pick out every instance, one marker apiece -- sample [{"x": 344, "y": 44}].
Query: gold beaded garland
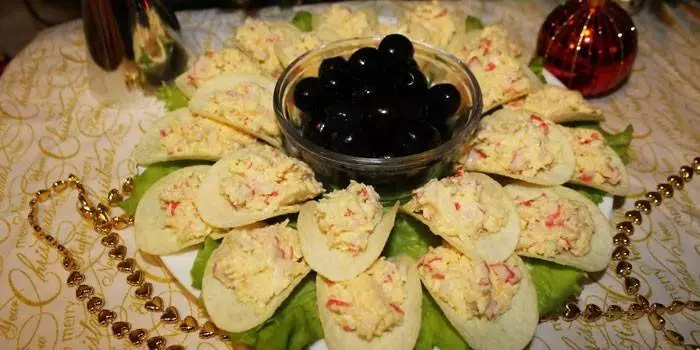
[
  {"x": 634, "y": 216},
  {"x": 625, "y": 227},
  {"x": 643, "y": 206},
  {"x": 686, "y": 173},
  {"x": 655, "y": 198},
  {"x": 620, "y": 253},
  {"x": 666, "y": 190},
  {"x": 631, "y": 285},
  {"x": 658, "y": 308},
  {"x": 642, "y": 300},
  {"x": 656, "y": 320},
  {"x": 635, "y": 311},
  {"x": 621, "y": 239},
  {"x": 623, "y": 269},
  {"x": 675, "y": 181},
  {"x": 614, "y": 313}
]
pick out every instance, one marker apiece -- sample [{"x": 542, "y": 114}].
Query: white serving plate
[{"x": 180, "y": 264}]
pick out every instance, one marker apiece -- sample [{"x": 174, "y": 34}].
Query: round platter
[{"x": 180, "y": 264}]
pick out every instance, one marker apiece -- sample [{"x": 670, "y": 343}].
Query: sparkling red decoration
[{"x": 590, "y": 45}]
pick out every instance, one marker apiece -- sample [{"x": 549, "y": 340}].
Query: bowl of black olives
[{"x": 383, "y": 111}]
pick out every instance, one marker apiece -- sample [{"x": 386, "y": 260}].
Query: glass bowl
[{"x": 393, "y": 178}]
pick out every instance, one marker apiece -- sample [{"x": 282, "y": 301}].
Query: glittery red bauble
[{"x": 590, "y": 45}]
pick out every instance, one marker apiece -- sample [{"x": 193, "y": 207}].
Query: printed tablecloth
[{"x": 50, "y": 126}]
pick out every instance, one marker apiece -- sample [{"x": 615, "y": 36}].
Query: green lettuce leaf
[
  {"x": 413, "y": 238},
  {"x": 200, "y": 262},
  {"x": 473, "y": 23},
  {"x": 172, "y": 96},
  {"x": 554, "y": 284},
  {"x": 619, "y": 142},
  {"x": 595, "y": 195},
  {"x": 436, "y": 330},
  {"x": 151, "y": 175},
  {"x": 302, "y": 20},
  {"x": 409, "y": 236},
  {"x": 294, "y": 326},
  {"x": 536, "y": 65}
]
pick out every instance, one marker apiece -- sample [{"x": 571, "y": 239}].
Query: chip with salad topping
[
  {"x": 490, "y": 305},
  {"x": 258, "y": 37},
  {"x": 344, "y": 232},
  {"x": 521, "y": 145},
  {"x": 561, "y": 225},
  {"x": 597, "y": 165},
  {"x": 432, "y": 23},
  {"x": 471, "y": 211},
  {"x": 492, "y": 59},
  {"x": 243, "y": 101},
  {"x": 178, "y": 135},
  {"x": 379, "y": 309},
  {"x": 557, "y": 104},
  {"x": 166, "y": 220},
  {"x": 342, "y": 22},
  {"x": 252, "y": 184},
  {"x": 251, "y": 274},
  {"x": 212, "y": 64}
]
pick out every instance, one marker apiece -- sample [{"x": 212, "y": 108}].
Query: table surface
[{"x": 51, "y": 126}]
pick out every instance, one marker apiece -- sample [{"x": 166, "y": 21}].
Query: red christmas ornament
[{"x": 590, "y": 45}]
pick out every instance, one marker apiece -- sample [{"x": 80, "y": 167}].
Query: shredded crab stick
[
  {"x": 471, "y": 211},
  {"x": 212, "y": 64},
  {"x": 597, "y": 165},
  {"x": 521, "y": 145},
  {"x": 557, "y": 104},
  {"x": 243, "y": 101},
  {"x": 379, "y": 309},
  {"x": 178, "y": 135},
  {"x": 255, "y": 183},
  {"x": 490, "y": 305},
  {"x": 344, "y": 232},
  {"x": 561, "y": 225},
  {"x": 251, "y": 274}
]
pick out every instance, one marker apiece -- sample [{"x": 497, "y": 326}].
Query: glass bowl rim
[{"x": 372, "y": 163}]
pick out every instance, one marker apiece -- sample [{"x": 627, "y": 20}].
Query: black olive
[
  {"x": 365, "y": 62},
  {"x": 366, "y": 92},
  {"x": 341, "y": 116},
  {"x": 415, "y": 137},
  {"x": 412, "y": 109},
  {"x": 382, "y": 114},
  {"x": 336, "y": 86},
  {"x": 317, "y": 130},
  {"x": 411, "y": 83},
  {"x": 336, "y": 64},
  {"x": 308, "y": 94},
  {"x": 354, "y": 142},
  {"x": 396, "y": 46},
  {"x": 443, "y": 101}
]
